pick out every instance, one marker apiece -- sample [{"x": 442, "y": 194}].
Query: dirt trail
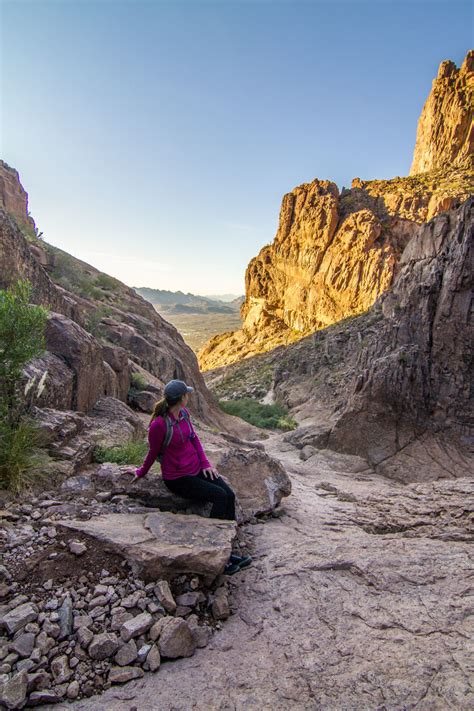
[{"x": 361, "y": 596}]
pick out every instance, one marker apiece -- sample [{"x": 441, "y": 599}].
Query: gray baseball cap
[{"x": 177, "y": 388}]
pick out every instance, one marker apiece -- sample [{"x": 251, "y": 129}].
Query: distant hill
[
  {"x": 223, "y": 297},
  {"x": 178, "y": 302}
]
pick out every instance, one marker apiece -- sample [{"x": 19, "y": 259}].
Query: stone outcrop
[
  {"x": 445, "y": 134},
  {"x": 162, "y": 543},
  {"x": 335, "y": 252},
  {"x": 13, "y": 197},
  {"x": 411, "y": 401}
]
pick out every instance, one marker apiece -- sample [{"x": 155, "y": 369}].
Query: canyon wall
[{"x": 335, "y": 251}]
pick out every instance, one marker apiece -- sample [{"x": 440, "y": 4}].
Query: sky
[{"x": 157, "y": 138}]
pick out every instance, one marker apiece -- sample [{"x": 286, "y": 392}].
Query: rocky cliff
[
  {"x": 445, "y": 134},
  {"x": 395, "y": 384},
  {"x": 97, "y": 327},
  {"x": 336, "y": 251}
]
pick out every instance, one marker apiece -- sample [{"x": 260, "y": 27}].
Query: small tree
[{"x": 22, "y": 337}]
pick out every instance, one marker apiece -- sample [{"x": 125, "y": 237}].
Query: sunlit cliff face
[{"x": 335, "y": 253}]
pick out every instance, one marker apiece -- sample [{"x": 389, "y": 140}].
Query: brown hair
[{"x": 162, "y": 407}]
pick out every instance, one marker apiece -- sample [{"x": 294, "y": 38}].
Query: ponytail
[{"x": 162, "y": 407}]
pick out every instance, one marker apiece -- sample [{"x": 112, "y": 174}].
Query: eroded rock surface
[{"x": 359, "y": 596}]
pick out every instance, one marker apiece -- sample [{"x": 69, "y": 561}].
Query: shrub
[
  {"x": 128, "y": 453},
  {"x": 138, "y": 381},
  {"x": 22, "y": 337},
  {"x": 266, "y": 416}
]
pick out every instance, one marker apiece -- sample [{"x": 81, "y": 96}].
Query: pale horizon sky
[{"x": 157, "y": 138}]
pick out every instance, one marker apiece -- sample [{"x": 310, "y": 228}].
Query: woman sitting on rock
[{"x": 185, "y": 469}]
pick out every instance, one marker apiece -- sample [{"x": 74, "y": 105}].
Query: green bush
[
  {"x": 21, "y": 456},
  {"x": 273, "y": 417},
  {"x": 22, "y": 337},
  {"x": 128, "y": 453},
  {"x": 138, "y": 381}
]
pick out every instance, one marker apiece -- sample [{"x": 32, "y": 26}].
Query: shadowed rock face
[
  {"x": 445, "y": 132},
  {"x": 412, "y": 393},
  {"x": 335, "y": 252}
]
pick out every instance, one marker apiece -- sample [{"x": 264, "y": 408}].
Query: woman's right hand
[{"x": 211, "y": 473}]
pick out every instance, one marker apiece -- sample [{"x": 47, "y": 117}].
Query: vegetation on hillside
[
  {"x": 22, "y": 337},
  {"x": 273, "y": 417}
]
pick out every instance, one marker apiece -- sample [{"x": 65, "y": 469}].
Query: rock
[
  {"x": 155, "y": 630},
  {"x": 220, "y": 608},
  {"x": 13, "y": 691},
  {"x": 127, "y": 653},
  {"x": 65, "y": 618},
  {"x": 17, "y": 618},
  {"x": 397, "y": 417},
  {"x": 45, "y": 696},
  {"x": 153, "y": 659},
  {"x": 119, "y": 675},
  {"x": 73, "y": 690},
  {"x": 103, "y": 645},
  {"x": 163, "y": 593},
  {"x": 82, "y": 621},
  {"x": 158, "y": 544},
  {"x": 77, "y": 547},
  {"x": 176, "y": 639},
  {"x": 443, "y": 136},
  {"x": 143, "y": 653},
  {"x": 190, "y": 599},
  {"x": 38, "y": 680},
  {"x": 85, "y": 636},
  {"x": 60, "y": 669},
  {"x": 136, "y": 626},
  {"x": 23, "y": 644}
]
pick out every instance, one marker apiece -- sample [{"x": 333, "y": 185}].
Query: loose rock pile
[{"x": 74, "y": 620}]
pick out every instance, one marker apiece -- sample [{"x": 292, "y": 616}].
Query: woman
[{"x": 185, "y": 469}]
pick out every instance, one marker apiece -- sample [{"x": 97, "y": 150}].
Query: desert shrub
[
  {"x": 22, "y": 337},
  {"x": 138, "y": 381},
  {"x": 266, "y": 416},
  {"x": 128, "y": 453}
]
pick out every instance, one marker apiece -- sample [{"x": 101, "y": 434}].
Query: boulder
[
  {"x": 160, "y": 544},
  {"x": 176, "y": 639},
  {"x": 13, "y": 691},
  {"x": 83, "y": 354}
]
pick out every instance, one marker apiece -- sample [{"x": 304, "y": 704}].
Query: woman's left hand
[{"x": 211, "y": 473}]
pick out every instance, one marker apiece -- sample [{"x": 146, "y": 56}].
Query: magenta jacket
[{"x": 184, "y": 456}]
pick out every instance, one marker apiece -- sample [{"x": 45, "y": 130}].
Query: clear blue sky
[{"x": 156, "y": 139}]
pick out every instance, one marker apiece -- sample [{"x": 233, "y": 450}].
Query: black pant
[{"x": 200, "y": 488}]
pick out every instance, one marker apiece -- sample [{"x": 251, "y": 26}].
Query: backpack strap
[
  {"x": 168, "y": 436},
  {"x": 188, "y": 420}
]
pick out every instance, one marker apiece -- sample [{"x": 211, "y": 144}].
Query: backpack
[{"x": 169, "y": 432}]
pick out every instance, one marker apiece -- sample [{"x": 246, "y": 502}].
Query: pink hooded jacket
[{"x": 184, "y": 455}]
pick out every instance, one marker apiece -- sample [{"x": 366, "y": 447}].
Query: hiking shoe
[
  {"x": 231, "y": 568},
  {"x": 241, "y": 560}
]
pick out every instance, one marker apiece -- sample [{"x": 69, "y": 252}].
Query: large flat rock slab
[{"x": 162, "y": 544}]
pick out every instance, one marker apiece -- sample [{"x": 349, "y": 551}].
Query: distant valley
[{"x": 197, "y": 318}]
